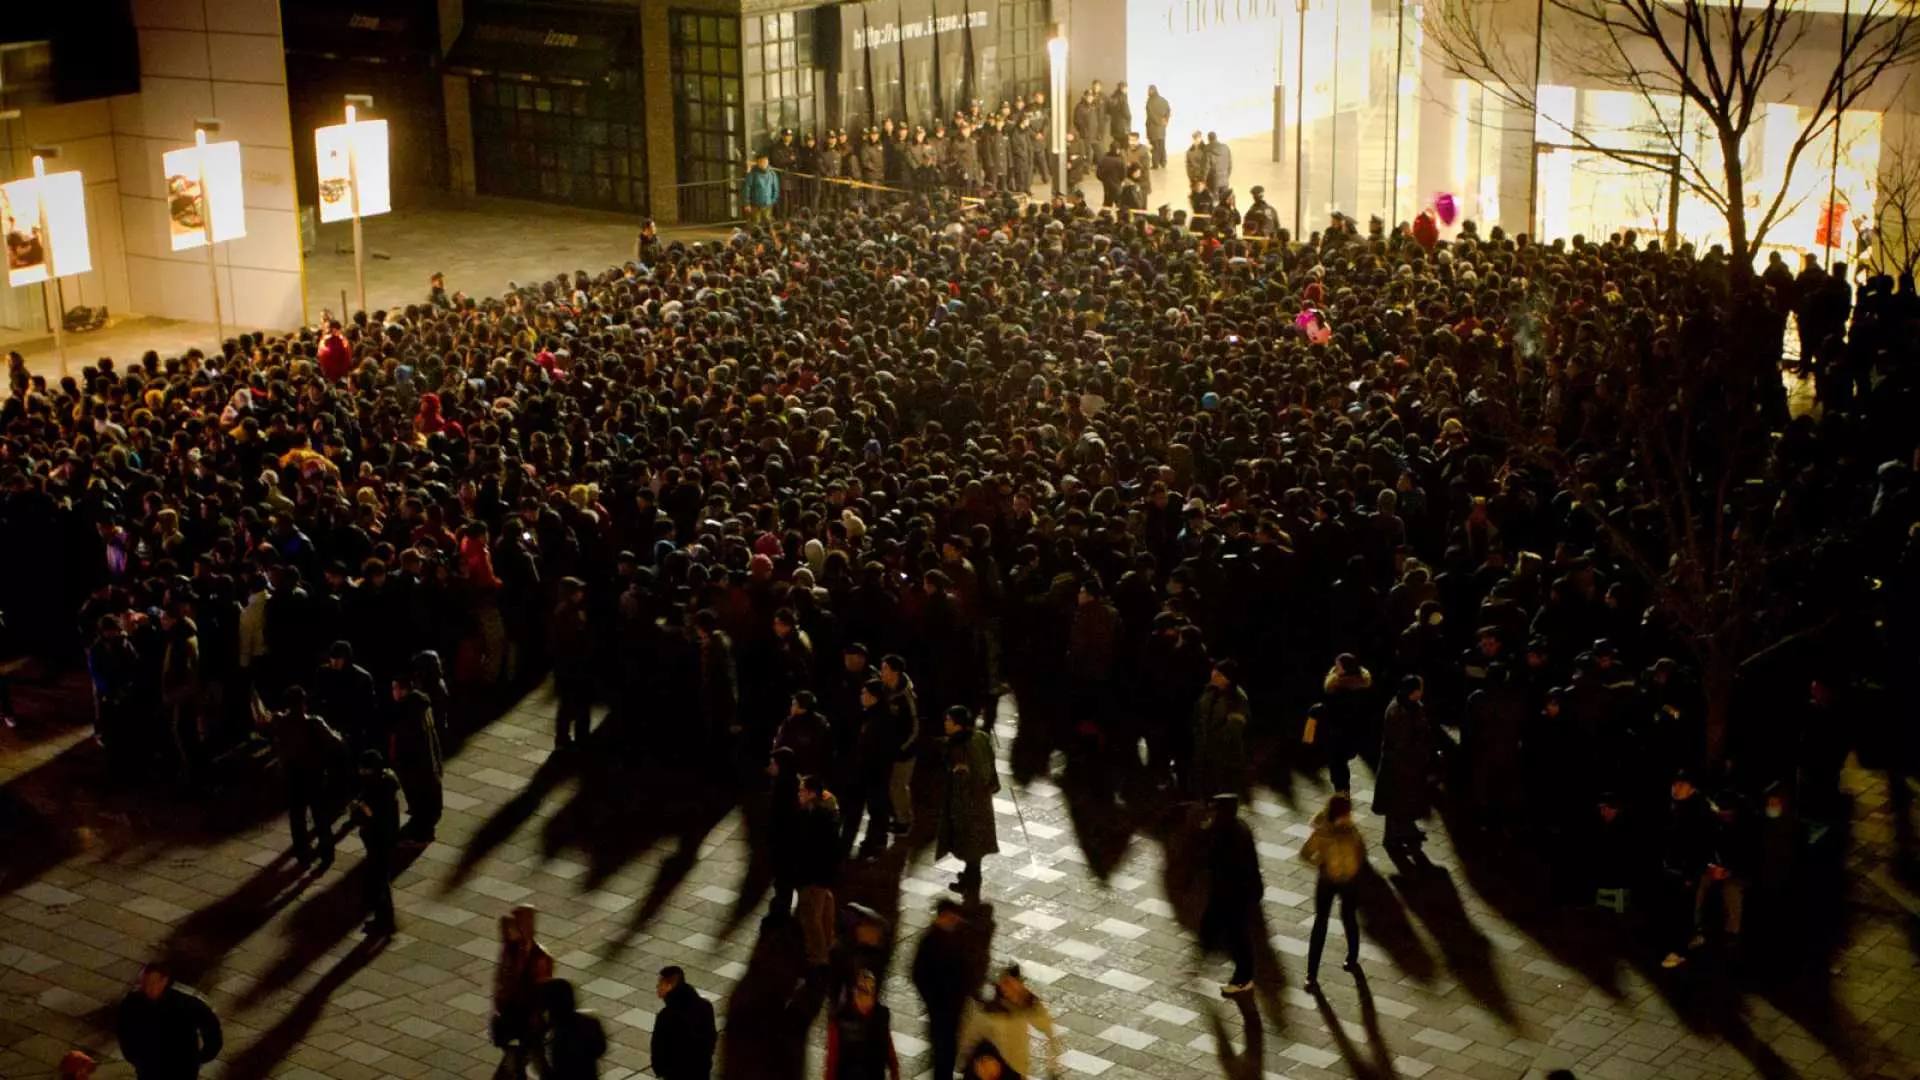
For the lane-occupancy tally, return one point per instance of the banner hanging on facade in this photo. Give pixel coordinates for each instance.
(890, 46)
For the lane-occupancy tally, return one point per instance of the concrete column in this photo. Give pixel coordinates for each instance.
(656, 73)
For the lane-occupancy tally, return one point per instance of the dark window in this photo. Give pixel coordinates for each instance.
(1020, 54)
(780, 70)
(706, 111)
(551, 142)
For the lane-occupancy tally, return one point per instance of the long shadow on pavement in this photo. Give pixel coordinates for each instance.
(274, 1044)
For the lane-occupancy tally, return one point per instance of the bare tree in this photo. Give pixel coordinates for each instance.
(1895, 245)
(1705, 70)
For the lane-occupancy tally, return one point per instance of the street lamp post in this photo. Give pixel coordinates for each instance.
(353, 194)
(1057, 68)
(1300, 123)
(59, 320)
(200, 130)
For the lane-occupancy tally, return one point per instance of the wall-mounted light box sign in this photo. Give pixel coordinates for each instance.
(44, 219)
(366, 142)
(190, 206)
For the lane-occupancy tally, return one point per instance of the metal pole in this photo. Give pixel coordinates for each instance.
(1833, 163)
(52, 293)
(1680, 143)
(1300, 123)
(1399, 64)
(353, 187)
(1057, 53)
(1333, 116)
(1533, 159)
(206, 228)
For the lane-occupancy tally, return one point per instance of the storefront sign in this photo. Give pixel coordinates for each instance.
(893, 33)
(1200, 16)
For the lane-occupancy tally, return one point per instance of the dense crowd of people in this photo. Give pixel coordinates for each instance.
(806, 503)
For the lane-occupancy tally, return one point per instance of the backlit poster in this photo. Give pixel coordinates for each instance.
(64, 196)
(188, 206)
(20, 218)
(369, 163)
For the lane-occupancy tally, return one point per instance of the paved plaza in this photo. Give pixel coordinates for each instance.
(1468, 971)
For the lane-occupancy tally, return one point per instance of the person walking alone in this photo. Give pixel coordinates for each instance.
(860, 1037)
(683, 1032)
(307, 748)
(376, 813)
(165, 1032)
(518, 979)
(1402, 791)
(967, 826)
(576, 1040)
(1006, 1021)
(940, 975)
(1338, 850)
(1233, 891)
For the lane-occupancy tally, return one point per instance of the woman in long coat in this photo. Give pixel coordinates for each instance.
(1219, 736)
(966, 825)
(1401, 791)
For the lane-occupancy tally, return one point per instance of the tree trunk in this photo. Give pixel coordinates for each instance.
(1737, 244)
(1718, 690)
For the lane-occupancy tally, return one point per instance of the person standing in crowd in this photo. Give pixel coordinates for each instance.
(572, 667)
(1219, 763)
(1111, 171)
(165, 1032)
(903, 726)
(967, 827)
(1219, 167)
(783, 156)
(1197, 163)
(520, 976)
(1336, 847)
(576, 1040)
(1090, 122)
(343, 693)
(760, 192)
(416, 760)
(940, 975)
(1260, 220)
(376, 813)
(1139, 158)
(1119, 114)
(860, 1036)
(114, 667)
(1007, 1021)
(681, 1046)
(1403, 791)
(308, 750)
(1234, 890)
(1021, 149)
(818, 870)
(1159, 112)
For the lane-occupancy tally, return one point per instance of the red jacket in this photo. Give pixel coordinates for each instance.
(336, 357)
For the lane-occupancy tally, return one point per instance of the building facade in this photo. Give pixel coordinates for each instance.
(190, 61)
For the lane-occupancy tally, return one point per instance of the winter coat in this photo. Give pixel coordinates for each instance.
(967, 826)
(719, 686)
(1087, 124)
(860, 1045)
(683, 1036)
(1197, 164)
(1119, 116)
(1142, 156)
(1406, 755)
(1219, 165)
(1337, 849)
(940, 971)
(1006, 1028)
(1219, 742)
(1157, 113)
(168, 1037)
(1495, 720)
(304, 743)
(760, 187)
(872, 162)
(1090, 643)
(1234, 887)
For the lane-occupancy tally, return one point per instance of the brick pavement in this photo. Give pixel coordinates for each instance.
(1465, 976)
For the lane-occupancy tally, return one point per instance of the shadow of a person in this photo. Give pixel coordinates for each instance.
(1249, 1062)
